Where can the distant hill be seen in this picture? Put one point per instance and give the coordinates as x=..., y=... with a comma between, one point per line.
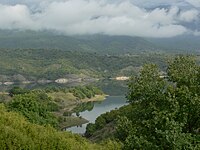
x=98, y=43
x=187, y=43
x=54, y=63
x=91, y=43
x=46, y=55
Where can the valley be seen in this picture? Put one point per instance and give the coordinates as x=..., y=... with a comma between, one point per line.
x=99, y=75
x=82, y=91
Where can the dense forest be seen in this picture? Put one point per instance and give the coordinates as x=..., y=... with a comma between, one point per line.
x=164, y=113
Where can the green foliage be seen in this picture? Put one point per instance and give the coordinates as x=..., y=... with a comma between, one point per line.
x=17, y=90
x=87, y=43
x=106, y=118
x=184, y=71
x=36, y=107
x=83, y=92
x=124, y=128
x=165, y=113
x=147, y=86
x=77, y=92
x=83, y=107
x=112, y=144
x=90, y=129
x=100, y=122
x=53, y=63
x=67, y=113
x=4, y=98
x=17, y=133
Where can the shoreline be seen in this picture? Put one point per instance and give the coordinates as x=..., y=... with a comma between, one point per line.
x=74, y=121
x=96, y=98
x=69, y=105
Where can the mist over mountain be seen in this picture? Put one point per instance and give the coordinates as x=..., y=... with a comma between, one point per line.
x=112, y=26
x=89, y=43
x=182, y=43
x=99, y=43
x=156, y=19
x=73, y=54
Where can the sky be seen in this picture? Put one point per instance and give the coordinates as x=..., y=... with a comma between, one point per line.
x=143, y=18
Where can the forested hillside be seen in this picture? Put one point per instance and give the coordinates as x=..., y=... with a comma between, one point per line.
x=34, y=64
x=98, y=43
x=18, y=133
x=187, y=43
x=88, y=43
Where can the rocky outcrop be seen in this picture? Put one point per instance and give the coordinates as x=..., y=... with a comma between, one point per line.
x=61, y=80
x=122, y=78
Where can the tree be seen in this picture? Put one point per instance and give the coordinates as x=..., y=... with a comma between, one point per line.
x=17, y=90
x=165, y=113
x=184, y=72
x=90, y=129
x=34, y=107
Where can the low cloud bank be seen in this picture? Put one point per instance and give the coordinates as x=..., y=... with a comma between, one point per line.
x=92, y=17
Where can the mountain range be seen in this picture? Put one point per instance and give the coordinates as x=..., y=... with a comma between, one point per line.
x=99, y=43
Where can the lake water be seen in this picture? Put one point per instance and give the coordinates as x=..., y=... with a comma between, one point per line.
x=110, y=103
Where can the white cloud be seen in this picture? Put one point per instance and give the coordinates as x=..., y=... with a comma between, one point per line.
x=189, y=16
x=196, y=33
x=92, y=16
x=195, y=3
x=17, y=16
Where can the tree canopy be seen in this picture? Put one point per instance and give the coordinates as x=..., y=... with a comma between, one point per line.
x=165, y=111
x=35, y=106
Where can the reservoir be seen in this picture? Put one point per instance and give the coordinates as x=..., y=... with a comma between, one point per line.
x=110, y=103
x=116, y=90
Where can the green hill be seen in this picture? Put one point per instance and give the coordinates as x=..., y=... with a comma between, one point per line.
x=34, y=64
x=90, y=43
x=17, y=133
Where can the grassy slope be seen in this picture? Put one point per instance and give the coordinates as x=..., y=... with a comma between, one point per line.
x=67, y=102
x=17, y=133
